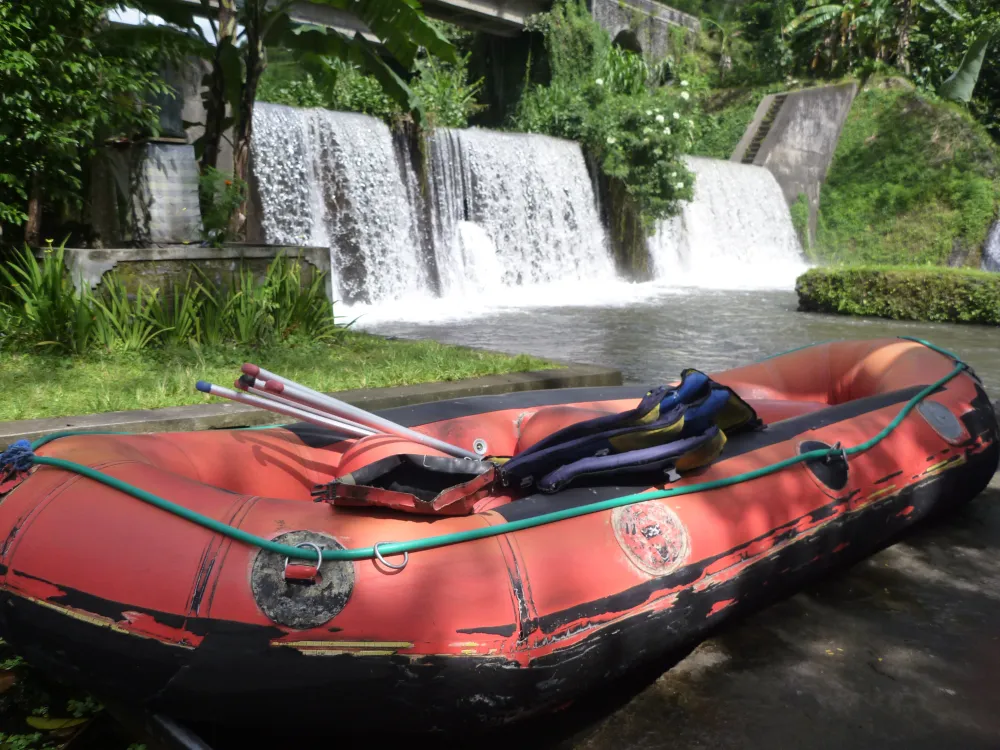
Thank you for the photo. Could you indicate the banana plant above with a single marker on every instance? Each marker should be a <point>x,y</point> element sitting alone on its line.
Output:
<point>237,55</point>
<point>960,84</point>
<point>879,29</point>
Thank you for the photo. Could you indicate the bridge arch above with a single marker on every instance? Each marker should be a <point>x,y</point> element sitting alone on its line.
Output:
<point>627,40</point>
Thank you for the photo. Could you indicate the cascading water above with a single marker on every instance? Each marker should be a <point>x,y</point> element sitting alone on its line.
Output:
<point>736,233</point>
<point>991,250</point>
<point>512,209</point>
<point>337,179</point>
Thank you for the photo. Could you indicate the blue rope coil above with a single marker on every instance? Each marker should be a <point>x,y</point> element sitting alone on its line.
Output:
<point>18,458</point>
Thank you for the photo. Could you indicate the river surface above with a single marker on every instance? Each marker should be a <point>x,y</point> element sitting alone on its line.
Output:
<point>651,335</point>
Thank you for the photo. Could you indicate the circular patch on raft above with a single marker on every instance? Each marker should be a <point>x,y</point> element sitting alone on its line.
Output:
<point>653,537</point>
<point>298,605</point>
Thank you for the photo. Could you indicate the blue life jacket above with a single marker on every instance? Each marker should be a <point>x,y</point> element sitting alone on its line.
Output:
<point>672,430</point>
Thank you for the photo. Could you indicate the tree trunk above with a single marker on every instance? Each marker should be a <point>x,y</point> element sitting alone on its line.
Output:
<point>33,228</point>
<point>215,106</point>
<point>903,41</point>
<point>243,130</point>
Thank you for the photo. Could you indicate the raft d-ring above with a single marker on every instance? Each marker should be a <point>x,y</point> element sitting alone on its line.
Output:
<point>386,563</point>
<point>841,453</point>
<point>302,576</point>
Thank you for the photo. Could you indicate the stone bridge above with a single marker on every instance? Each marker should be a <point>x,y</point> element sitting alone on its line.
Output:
<point>639,25</point>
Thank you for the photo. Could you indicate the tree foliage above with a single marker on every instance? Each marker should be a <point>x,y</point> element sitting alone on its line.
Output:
<point>244,30</point>
<point>68,81</point>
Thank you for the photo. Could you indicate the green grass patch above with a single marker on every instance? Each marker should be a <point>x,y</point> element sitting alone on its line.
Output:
<point>38,384</point>
<point>948,295</point>
<point>914,180</point>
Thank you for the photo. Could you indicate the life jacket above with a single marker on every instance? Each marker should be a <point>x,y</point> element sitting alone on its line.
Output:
<point>672,430</point>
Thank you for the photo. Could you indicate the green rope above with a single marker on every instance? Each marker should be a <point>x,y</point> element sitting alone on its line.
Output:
<point>443,540</point>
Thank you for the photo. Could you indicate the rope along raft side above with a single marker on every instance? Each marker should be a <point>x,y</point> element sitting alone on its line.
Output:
<point>399,548</point>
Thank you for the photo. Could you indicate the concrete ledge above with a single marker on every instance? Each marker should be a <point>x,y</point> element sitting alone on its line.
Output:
<point>224,415</point>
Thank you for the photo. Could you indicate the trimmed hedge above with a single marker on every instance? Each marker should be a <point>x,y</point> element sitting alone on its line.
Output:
<point>937,294</point>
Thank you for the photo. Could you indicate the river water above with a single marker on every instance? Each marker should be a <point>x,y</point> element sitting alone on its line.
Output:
<point>652,334</point>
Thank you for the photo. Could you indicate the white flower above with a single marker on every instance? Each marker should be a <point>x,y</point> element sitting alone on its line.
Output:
<point>684,83</point>
<point>649,113</point>
<point>599,81</point>
<point>673,174</point>
<point>679,186</point>
<point>666,131</point>
<point>611,139</point>
<point>677,116</point>
<point>685,95</point>
<point>659,118</point>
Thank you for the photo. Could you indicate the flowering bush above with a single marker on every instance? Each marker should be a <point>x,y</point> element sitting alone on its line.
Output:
<point>601,96</point>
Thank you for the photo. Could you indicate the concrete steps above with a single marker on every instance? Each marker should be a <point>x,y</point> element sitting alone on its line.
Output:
<point>765,127</point>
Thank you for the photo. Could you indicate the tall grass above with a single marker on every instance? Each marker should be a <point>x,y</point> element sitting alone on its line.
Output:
<point>39,306</point>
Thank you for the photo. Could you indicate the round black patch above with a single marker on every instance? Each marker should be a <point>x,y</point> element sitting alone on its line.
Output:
<point>297,605</point>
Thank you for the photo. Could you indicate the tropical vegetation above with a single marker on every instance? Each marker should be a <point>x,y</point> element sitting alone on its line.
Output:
<point>155,342</point>
<point>68,82</point>
<point>947,295</point>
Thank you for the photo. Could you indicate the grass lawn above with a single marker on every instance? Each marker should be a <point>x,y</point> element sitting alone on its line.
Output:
<point>37,384</point>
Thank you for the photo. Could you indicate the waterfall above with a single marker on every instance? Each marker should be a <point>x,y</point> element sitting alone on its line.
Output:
<point>991,250</point>
<point>512,209</point>
<point>736,233</point>
<point>337,179</point>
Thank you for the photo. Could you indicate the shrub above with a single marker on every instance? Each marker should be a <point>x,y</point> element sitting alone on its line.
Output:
<point>221,194</point>
<point>40,307</point>
<point>449,99</point>
<point>600,96</point>
<point>935,294</point>
<point>46,306</point>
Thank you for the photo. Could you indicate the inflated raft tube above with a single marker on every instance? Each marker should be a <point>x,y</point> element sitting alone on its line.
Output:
<point>453,621</point>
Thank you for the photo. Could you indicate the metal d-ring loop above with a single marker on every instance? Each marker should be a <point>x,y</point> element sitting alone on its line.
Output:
<point>319,556</point>
<point>386,563</point>
<point>837,447</point>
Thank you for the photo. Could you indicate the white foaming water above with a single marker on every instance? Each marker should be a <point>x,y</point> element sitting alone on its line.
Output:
<point>335,178</point>
<point>991,250</point>
<point>737,233</point>
<point>512,210</point>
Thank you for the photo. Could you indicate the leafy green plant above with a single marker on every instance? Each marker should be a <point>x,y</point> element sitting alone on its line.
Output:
<point>69,82</point>
<point>448,98</point>
<point>177,315</point>
<point>123,322</point>
<point>636,133</point>
<point>221,196</point>
<point>249,313</point>
<point>624,72</point>
<point>51,310</point>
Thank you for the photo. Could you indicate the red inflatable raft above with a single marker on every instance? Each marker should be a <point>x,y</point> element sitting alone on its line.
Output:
<point>149,608</point>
